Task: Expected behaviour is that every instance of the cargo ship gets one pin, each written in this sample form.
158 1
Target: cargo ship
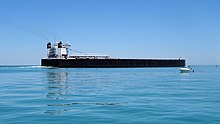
58 56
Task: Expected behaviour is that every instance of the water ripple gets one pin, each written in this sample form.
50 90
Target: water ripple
92 103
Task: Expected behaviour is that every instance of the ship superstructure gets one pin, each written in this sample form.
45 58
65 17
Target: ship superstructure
61 51
58 50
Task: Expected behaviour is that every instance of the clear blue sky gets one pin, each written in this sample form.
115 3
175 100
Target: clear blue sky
119 28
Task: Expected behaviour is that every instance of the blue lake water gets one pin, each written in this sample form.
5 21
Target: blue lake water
34 94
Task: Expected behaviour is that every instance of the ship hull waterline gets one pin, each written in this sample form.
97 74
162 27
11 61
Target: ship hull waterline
112 63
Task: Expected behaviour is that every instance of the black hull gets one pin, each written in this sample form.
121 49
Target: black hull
112 63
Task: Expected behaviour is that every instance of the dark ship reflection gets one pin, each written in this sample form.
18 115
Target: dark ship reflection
57 89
